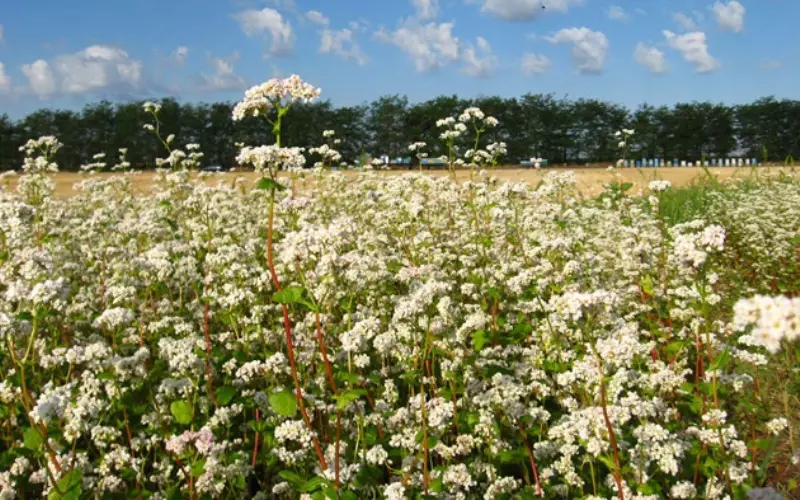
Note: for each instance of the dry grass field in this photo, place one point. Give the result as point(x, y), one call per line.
point(590, 180)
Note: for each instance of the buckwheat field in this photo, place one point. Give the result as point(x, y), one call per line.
point(320, 335)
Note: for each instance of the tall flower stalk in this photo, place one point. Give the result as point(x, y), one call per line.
point(261, 100)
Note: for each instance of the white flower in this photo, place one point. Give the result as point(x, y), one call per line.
point(659, 185)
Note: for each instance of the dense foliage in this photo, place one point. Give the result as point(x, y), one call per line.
point(561, 130)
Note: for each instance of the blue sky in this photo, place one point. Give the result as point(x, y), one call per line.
point(65, 54)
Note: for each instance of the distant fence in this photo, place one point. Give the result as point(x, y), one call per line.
point(714, 162)
point(629, 163)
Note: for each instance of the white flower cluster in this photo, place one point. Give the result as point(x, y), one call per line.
point(774, 320)
point(44, 148)
point(658, 186)
point(479, 339)
point(271, 158)
point(260, 99)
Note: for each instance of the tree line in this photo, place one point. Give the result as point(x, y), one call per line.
point(533, 125)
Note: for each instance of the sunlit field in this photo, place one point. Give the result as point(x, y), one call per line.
point(590, 181)
point(315, 334)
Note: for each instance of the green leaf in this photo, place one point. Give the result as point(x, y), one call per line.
point(268, 184)
point(626, 186)
point(198, 467)
point(288, 295)
point(647, 284)
point(479, 339)
point(174, 493)
point(284, 403)
point(258, 426)
point(369, 475)
point(345, 398)
point(607, 461)
point(312, 484)
point(673, 348)
point(25, 316)
point(225, 395)
point(182, 411)
point(293, 478)
point(721, 361)
point(70, 485)
point(762, 468)
point(32, 439)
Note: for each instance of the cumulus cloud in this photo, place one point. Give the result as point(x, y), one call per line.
point(729, 16)
point(267, 23)
point(94, 69)
point(524, 10)
point(426, 9)
point(342, 43)
point(317, 17)
point(5, 80)
point(180, 54)
point(617, 13)
point(685, 22)
point(693, 47)
point(650, 57)
point(589, 48)
point(40, 78)
point(478, 60)
point(430, 46)
point(223, 77)
point(535, 64)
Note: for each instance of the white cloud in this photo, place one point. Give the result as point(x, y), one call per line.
point(685, 22)
point(359, 24)
point(729, 16)
point(640, 11)
point(341, 43)
point(535, 64)
point(96, 68)
point(589, 48)
point(317, 17)
point(525, 10)
point(40, 78)
point(5, 80)
point(267, 21)
point(430, 46)
point(433, 45)
point(771, 64)
point(180, 54)
point(478, 61)
point(650, 57)
point(223, 78)
point(617, 13)
point(693, 47)
point(426, 9)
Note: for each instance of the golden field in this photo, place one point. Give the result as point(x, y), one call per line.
point(590, 180)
